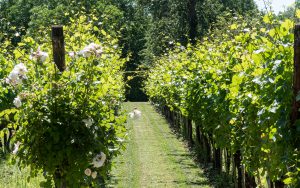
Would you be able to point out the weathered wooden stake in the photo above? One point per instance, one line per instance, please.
(198, 135)
(58, 47)
(238, 165)
(190, 132)
(218, 160)
(296, 84)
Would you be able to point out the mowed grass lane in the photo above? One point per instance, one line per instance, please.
(154, 156)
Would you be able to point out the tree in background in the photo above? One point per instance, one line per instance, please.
(146, 29)
(185, 21)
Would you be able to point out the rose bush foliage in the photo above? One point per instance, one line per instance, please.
(67, 125)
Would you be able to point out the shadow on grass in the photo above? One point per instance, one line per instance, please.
(112, 181)
(215, 179)
(192, 183)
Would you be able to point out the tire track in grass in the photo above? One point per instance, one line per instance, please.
(154, 157)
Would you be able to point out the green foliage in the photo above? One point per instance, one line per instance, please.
(171, 21)
(238, 86)
(147, 28)
(41, 17)
(63, 120)
(34, 15)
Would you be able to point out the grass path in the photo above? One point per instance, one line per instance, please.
(11, 176)
(154, 157)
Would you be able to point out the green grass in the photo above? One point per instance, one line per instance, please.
(12, 177)
(155, 157)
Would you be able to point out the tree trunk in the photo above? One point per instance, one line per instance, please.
(193, 23)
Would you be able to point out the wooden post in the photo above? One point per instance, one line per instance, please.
(238, 165)
(58, 47)
(250, 181)
(279, 184)
(190, 132)
(176, 118)
(180, 123)
(218, 160)
(207, 148)
(296, 79)
(198, 135)
(228, 159)
(296, 90)
(184, 126)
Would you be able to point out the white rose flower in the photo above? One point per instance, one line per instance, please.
(85, 53)
(13, 78)
(113, 149)
(17, 145)
(7, 80)
(93, 46)
(72, 54)
(246, 30)
(99, 52)
(88, 122)
(120, 140)
(20, 69)
(17, 102)
(94, 175)
(88, 172)
(99, 160)
(90, 50)
(39, 55)
(259, 51)
(43, 56)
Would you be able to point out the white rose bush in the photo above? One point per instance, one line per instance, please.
(67, 124)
